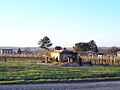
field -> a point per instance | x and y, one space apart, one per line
27 71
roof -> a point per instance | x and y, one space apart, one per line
58 48
63 52
6 49
56 51
68 52
118 52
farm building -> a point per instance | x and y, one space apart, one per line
118 54
6 51
63 55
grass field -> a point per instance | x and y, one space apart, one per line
28 71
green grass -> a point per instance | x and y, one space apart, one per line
28 71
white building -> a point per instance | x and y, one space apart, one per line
6 51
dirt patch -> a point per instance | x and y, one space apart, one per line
59 64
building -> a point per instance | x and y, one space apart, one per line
118 54
6 51
63 55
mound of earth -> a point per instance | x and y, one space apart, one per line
59 64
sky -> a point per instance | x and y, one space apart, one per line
66 22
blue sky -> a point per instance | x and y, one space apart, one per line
65 22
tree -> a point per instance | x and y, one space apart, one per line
27 49
86 46
93 46
45 43
19 51
113 50
81 46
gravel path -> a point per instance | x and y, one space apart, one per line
111 85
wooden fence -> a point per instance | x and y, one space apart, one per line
103 60
95 60
5 57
